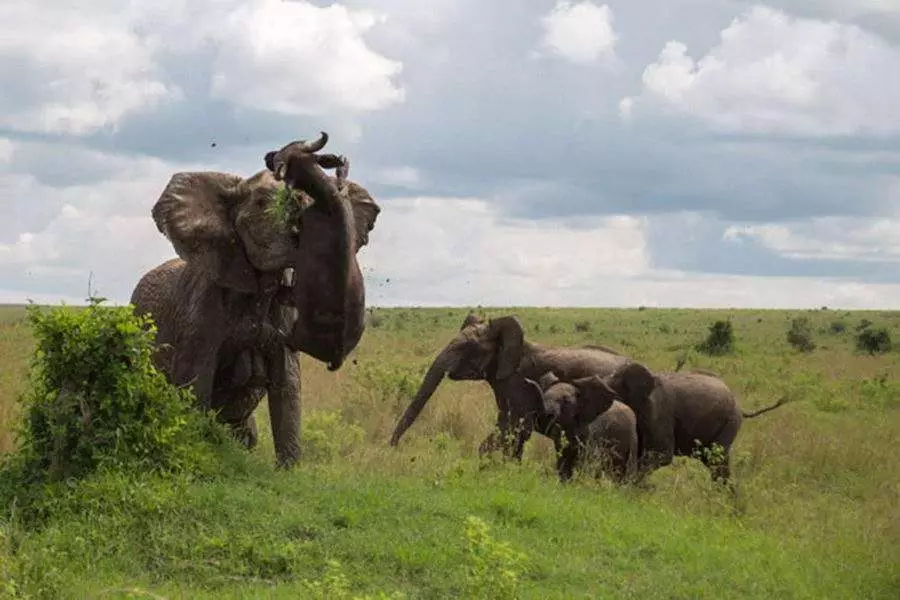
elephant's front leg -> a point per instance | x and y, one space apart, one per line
284 405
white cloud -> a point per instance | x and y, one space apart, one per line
581 32
449 250
77 68
102 230
87 68
405 176
297 58
837 238
773 73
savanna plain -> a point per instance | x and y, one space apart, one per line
817 513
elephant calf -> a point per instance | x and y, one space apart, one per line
610 438
582 417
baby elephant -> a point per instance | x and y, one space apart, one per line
582 417
610 439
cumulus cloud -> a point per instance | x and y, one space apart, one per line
297 58
581 32
101 230
776 74
72 69
859 239
518 166
449 250
477 257
79 68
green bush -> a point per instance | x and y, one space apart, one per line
874 341
94 398
719 341
837 327
326 436
800 335
493 568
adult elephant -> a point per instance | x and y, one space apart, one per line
494 351
583 417
219 328
682 414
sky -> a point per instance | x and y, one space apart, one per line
692 153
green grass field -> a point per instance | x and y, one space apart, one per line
818 514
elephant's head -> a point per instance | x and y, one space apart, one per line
224 224
481 350
570 406
635 385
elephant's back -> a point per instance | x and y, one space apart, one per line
617 422
154 294
572 363
702 403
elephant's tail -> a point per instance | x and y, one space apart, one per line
750 415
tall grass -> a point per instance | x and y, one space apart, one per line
816 514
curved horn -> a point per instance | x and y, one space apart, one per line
430 382
315 145
512 344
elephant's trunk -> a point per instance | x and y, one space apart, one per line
430 382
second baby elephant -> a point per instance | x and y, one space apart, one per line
584 419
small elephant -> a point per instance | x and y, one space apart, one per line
609 438
681 413
582 417
494 351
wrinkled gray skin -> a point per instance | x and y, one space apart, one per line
679 413
494 351
206 302
584 419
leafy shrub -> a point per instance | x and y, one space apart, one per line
392 383
874 341
800 335
326 436
719 341
493 568
837 327
94 398
582 326
334 585
864 324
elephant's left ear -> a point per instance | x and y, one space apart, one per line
365 212
595 398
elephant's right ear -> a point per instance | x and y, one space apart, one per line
193 212
594 398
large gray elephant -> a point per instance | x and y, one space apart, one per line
583 417
248 290
494 351
682 414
